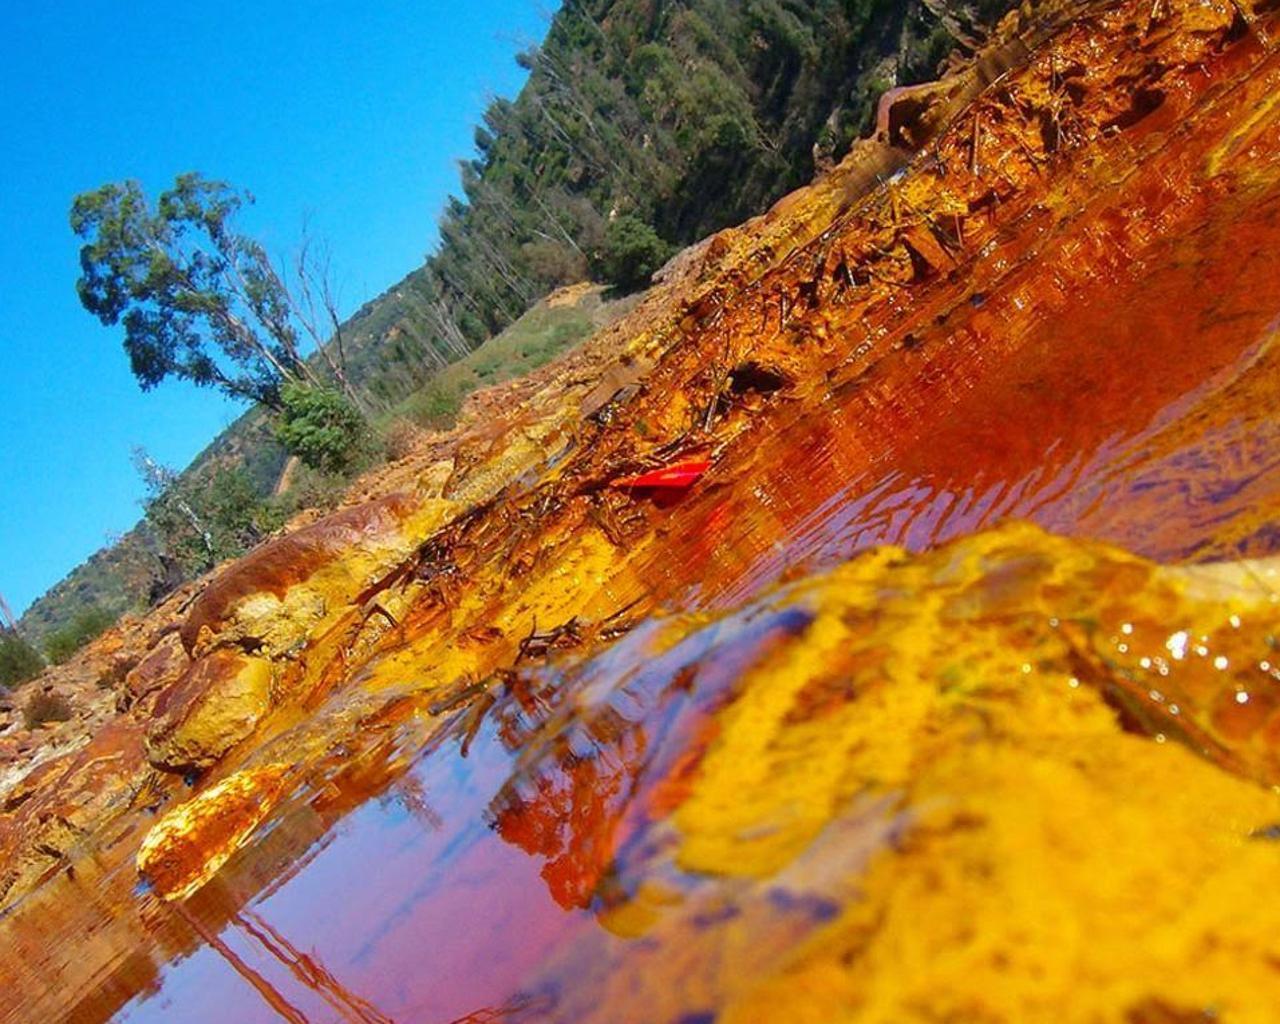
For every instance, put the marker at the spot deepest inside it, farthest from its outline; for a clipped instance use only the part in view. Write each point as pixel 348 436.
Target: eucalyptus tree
pixel 199 301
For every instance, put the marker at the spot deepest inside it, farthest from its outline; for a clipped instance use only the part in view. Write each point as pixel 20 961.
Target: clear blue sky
pixel 348 115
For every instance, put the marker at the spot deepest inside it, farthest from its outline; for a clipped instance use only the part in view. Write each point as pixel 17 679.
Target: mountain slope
pixel 687 115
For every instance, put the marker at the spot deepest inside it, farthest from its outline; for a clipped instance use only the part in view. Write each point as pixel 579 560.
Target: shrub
pixel 321 427
pixel 552 263
pixel 437 404
pixel 631 253
pixel 196 520
pixel 86 624
pixel 42 708
pixel 19 661
pixel 401 438
pixel 235 515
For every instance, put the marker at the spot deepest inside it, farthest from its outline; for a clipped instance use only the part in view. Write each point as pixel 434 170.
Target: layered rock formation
pixel 975 773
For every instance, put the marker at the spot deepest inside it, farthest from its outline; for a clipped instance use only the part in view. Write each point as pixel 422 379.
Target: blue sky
pixel 348 116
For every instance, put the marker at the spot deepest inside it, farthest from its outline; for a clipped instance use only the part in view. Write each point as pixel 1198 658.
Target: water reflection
pixel 1146 418
pixel 404 881
pixel 407 877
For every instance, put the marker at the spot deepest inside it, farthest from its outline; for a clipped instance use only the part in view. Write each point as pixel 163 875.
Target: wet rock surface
pixel 818 736
pixel 246 603
pixel 216 704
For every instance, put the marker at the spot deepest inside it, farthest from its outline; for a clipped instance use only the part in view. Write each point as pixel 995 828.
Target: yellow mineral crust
pixel 281 622
pixel 1045 863
pixel 217 704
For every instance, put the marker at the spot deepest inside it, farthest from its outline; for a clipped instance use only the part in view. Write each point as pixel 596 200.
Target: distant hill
pixel 689 115
pixel 117 578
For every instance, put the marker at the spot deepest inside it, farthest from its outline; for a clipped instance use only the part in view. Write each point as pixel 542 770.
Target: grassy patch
pixel 86 624
pixel 532 341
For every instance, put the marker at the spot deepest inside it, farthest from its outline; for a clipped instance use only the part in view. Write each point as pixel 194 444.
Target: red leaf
pixel 677 477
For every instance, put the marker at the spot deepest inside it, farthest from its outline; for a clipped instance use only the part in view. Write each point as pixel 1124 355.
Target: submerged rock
pixel 911 785
pixel 189 844
pixel 920 791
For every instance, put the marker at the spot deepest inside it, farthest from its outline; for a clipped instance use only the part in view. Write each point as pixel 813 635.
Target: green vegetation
pixel 202 303
pixel 311 489
pixel 674 119
pixel 685 117
pixel 632 252
pixel 87 623
pixel 321 427
pixel 126 575
pixel 532 341
pixel 198 301
pixel 195 521
pixel 19 661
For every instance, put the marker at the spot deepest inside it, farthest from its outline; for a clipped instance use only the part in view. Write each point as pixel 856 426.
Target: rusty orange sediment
pixel 820 735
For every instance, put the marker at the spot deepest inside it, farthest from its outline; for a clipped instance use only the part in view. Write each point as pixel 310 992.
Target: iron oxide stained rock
pixel 162 666
pixel 215 705
pixel 190 843
pixel 45 816
pixel 276 568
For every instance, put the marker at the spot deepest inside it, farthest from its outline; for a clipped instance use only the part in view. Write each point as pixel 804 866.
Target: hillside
pixel 876 622
pixel 120 577
pixel 687 116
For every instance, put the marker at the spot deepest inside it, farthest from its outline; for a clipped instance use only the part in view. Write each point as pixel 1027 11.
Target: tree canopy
pixel 198 300
pixel 632 252
pixel 685 117
pixel 195 523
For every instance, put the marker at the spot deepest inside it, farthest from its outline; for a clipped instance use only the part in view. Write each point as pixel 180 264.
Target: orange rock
pixel 54 806
pixel 282 563
pixel 190 843
pixel 163 665
pixel 216 704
